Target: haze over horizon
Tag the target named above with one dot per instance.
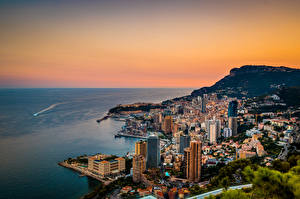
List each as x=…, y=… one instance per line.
x=133, y=43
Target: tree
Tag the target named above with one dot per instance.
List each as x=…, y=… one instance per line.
x=268, y=183
x=128, y=165
x=195, y=190
x=234, y=194
x=281, y=166
x=293, y=159
x=233, y=171
x=225, y=182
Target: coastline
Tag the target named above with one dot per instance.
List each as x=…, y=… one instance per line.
x=84, y=172
x=103, y=118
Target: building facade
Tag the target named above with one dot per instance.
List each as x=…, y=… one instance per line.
x=184, y=142
x=141, y=148
x=106, y=167
x=138, y=167
x=232, y=108
x=212, y=132
x=193, y=157
x=203, y=103
x=227, y=132
x=153, y=152
x=213, y=128
x=242, y=154
x=168, y=124
x=232, y=124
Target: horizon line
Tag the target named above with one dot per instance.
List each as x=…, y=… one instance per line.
x=97, y=87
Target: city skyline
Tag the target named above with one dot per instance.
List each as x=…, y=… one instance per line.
x=142, y=43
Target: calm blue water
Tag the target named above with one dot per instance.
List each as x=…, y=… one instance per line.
x=30, y=147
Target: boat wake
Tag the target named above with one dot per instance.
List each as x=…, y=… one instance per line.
x=46, y=109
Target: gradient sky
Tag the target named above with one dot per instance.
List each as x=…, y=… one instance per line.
x=142, y=43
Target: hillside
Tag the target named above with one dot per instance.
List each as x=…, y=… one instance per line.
x=291, y=96
x=252, y=80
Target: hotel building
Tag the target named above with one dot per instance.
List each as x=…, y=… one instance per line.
x=106, y=167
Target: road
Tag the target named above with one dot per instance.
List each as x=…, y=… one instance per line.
x=218, y=191
x=284, y=152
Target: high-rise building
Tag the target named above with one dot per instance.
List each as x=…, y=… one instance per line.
x=141, y=148
x=175, y=128
x=213, y=132
x=203, y=103
x=193, y=157
x=184, y=142
x=153, y=152
x=138, y=167
x=227, y=132
x=232, y=124
x=168, y=124
x=218, y=125
x=213, y=128
x=207, y=125
x=155, y=117
x=232, y=108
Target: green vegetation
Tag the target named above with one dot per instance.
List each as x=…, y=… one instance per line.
x=293, y=158
x=269, y=145
x=128, y=165
x=244, y=127
x=173, y=172
x=196, y=190
x=263, y=109
x=282, y=166
x=79, y=160
x=224, y=176
x=240, y=137
x=112, y=157
x=232, y=172
x=290, y=95
x=153, y=175
x=133, y=107
x=282, y=180
x=267, y=183
x=209, y=172
x=232, y=194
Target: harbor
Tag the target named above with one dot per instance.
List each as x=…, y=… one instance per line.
x=129, y=135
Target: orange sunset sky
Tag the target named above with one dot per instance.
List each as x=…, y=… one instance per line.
x=140, y=43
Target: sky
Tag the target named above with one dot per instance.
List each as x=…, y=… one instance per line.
x=142, y=43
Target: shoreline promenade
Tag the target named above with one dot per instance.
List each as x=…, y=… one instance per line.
x=85, y=172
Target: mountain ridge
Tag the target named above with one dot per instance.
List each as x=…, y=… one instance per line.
x=252, y=80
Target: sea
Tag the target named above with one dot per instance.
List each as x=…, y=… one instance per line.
x=40, y=127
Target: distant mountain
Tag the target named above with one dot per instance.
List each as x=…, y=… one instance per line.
x=253, y=80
